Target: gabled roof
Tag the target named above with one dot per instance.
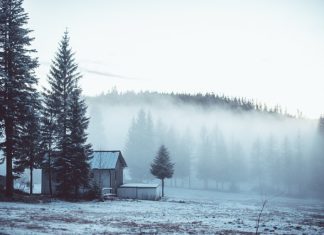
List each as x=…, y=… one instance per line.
x=106, y=159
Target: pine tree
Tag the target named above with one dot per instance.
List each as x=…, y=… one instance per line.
x=29, y=148
x=79, y=150
x=258, y=165
x=183, y=159
x=162, y=167
x=299, y=167
x=2, y=108
x=286, y=163
x=272, y=163
x=2, y=158
x=139, y=146
x=220, y=159
x=318, y=160
x=206, y=163
x=63, y=80
x=237, y=169
x=48, y=131
x=17, y=79
x=172, y=141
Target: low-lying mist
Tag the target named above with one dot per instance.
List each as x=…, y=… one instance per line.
x=213, y=146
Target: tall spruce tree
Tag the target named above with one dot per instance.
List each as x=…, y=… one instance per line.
x=79, y=150
x=68, y=123
x=162, y=167
x=62, y=80
x=17, y=79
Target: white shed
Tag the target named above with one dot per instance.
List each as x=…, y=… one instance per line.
x=140, y=191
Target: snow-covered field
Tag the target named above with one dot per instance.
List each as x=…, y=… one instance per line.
x=183, y=211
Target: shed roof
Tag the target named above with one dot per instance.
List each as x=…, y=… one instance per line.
x=106, y=159
x=133, y=185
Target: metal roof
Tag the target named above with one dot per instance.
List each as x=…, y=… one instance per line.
x=139, y=185
x=106, y=159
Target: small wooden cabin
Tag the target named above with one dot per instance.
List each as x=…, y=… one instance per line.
x=106, y=168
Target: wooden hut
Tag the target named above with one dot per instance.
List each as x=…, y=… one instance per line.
x=106, y=169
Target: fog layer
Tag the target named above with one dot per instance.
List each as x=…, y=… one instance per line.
x=212, y=147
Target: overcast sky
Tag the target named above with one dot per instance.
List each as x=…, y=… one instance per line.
x=272, y=51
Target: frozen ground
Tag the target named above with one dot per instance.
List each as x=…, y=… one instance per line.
x=184, y=211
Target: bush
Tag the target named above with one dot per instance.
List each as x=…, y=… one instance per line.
x=94, y=192
x=20, y=192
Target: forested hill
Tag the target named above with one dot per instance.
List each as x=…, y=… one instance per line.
x=207, y=100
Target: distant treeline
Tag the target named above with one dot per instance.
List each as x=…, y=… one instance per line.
x=207, y=100
x=216, y=142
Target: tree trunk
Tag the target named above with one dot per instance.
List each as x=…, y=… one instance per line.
x=31, y=184
x=162, y=187
x=76, y=192
x=9, y=157
x=9, y=176
x=50, y=167
x=50, y=173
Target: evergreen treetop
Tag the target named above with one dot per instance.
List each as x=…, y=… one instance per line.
x=162, y=167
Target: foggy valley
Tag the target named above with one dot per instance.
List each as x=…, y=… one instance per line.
x=161, y=117
x=213, y=146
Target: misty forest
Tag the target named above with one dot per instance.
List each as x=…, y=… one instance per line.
x=216, y=142
x=129, y=161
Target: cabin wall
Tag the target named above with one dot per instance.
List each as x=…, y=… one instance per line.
x=102, y=178
x=119, y=174
x=139, y=193
x=113, y=181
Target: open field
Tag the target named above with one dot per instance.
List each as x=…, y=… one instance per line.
x=182, y=212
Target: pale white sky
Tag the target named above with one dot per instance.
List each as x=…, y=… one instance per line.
x=272, y=51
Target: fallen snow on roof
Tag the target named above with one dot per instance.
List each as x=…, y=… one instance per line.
x=104, y=160
x=136, y=185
